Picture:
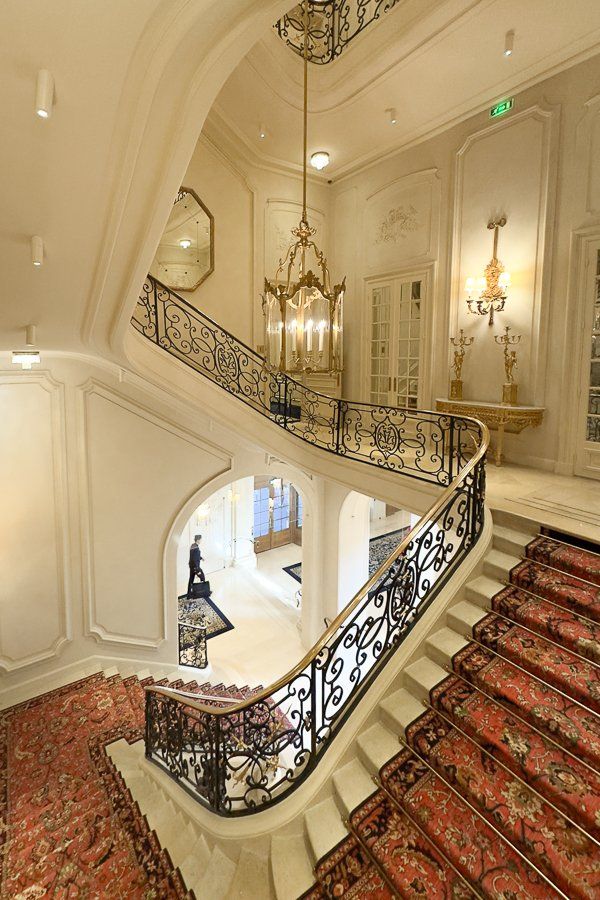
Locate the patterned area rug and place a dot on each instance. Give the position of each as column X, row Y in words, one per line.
column 190, row 613
column 497, row 793
column 379, row 549
column 70, row 828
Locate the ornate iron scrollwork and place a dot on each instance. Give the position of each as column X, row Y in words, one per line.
column 244, row 758
column 333, row 24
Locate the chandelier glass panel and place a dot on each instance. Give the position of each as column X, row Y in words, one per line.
column 302, row 309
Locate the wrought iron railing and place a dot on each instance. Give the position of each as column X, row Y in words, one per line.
column 332, row 25
column 241, row 759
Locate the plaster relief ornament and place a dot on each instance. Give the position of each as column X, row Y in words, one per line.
column 397, row 224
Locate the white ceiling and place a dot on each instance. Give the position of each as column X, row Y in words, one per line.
column 434, row 61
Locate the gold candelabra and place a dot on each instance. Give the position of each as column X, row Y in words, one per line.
column 460, row 343
column 509, row 388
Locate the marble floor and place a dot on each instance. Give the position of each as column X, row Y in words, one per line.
column 564, row 502
column 260, row 603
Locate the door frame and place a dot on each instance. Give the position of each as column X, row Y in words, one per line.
column 425, row 273
column 585, row 454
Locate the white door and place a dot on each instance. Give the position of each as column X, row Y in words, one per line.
column 588, row 426
column 396, row 341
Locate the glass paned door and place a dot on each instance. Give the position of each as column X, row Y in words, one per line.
column 593, row 405
column 381, row 326
column 587, row 449
column 271, row 514
column 396, row 342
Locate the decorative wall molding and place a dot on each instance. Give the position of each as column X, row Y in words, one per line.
column 93, row 388
column 53, row 649
column 588, row 158
column 401, row 223
column 534, row 378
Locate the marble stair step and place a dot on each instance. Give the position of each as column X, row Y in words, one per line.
column 251, row 880
column 422, row 676
column 217, row 878
column 510, row 540
column 376, row 746
column 442, row 645
column 324, row 827
column 110, row 671
column 400, row 709
column 481, row 590
column 291, row 866
column 463, row 616
column 518, row 523
column 180, row 839
column 498, row 564
column 352, row 784
column 195, row 863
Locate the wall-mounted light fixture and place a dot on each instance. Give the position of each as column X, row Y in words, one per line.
column 44, row 94
column 28, row 357
column 492, row 287
column 509, row 43
column 37, row 250
column 319, row 160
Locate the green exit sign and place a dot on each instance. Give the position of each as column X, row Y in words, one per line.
column 503, row 107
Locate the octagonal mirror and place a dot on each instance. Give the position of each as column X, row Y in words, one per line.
column 185, row 255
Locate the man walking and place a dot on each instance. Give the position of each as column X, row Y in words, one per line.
column 194, row 564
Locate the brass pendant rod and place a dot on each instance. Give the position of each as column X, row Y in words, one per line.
column 304, row 217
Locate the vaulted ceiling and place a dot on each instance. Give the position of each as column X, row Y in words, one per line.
column 433, row 61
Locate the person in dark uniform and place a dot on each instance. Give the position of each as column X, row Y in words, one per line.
column 194, row 564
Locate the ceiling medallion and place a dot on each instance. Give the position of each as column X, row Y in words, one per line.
column 303, row 312
column 333, row 24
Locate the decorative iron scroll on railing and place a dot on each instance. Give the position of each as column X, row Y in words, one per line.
column 246, row 757
column 332, row 25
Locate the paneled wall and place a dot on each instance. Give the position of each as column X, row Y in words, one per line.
column 427, row 208
column 99, row 476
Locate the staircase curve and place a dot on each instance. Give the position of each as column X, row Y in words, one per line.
column 240, row 759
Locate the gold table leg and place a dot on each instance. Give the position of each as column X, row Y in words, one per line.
column 500, row 444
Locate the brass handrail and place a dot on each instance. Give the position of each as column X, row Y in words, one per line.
column 422, row 524
column 197, row 743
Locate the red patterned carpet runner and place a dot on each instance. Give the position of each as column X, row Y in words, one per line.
column 497, row 791
column 70, row 826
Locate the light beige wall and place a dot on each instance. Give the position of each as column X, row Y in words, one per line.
column 538, row 166
column 99, row 471
column 254, row 210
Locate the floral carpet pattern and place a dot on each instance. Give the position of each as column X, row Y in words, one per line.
column 496, row 792
column 70, row 828
column 190, row 614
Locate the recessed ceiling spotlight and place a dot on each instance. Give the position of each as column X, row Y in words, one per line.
column 392, row 115
column 319, row 160
column 27, row 358
column 44, row 94
column 185, row 243
column 262, row 133
column 37, row 250
column 509, row 43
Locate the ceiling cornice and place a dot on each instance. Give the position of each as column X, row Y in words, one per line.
column 221, row 126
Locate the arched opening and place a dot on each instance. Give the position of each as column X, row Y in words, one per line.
column 251, row 606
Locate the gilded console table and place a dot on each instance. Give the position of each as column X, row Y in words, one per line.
column 497, row 417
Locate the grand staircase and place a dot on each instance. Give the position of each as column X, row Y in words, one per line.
column 482, row 776
column 70, row 827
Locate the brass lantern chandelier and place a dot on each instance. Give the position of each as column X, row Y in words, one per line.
column 303, row 312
